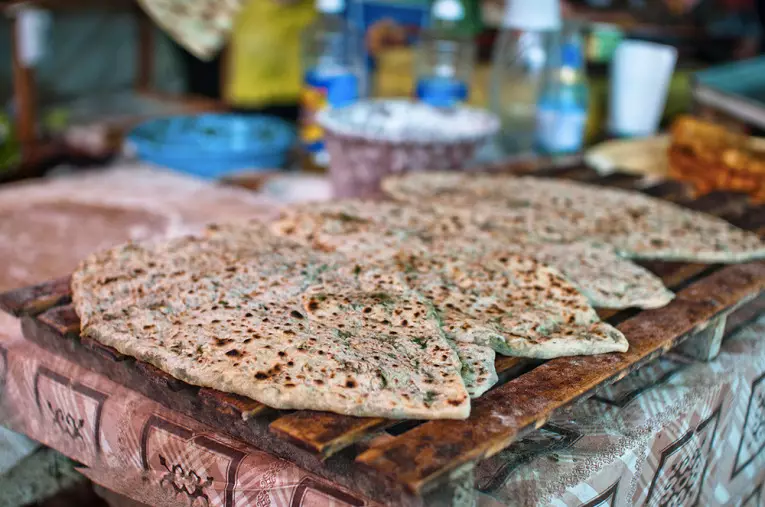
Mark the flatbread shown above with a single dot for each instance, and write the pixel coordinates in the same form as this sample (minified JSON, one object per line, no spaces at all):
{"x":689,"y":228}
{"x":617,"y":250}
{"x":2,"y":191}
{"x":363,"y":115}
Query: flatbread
{"x":512,"y":304}
{"x":641,"y":156}
{"x":290,"y":327}
{"x":635,"y":225}
{"x":478,"y":370}
{"x":603,"y":277}
{"x":379,"y":230}
{"x":527,"y":318}
{"x":366,"y":228}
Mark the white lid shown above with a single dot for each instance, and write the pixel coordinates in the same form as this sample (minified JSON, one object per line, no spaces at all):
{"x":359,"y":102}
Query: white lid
{"x":448,"y":10}
{"x":404,"y":121}
{"x":646,"y":51}
{"x":330,"y":6}
{"x":532,"y":14}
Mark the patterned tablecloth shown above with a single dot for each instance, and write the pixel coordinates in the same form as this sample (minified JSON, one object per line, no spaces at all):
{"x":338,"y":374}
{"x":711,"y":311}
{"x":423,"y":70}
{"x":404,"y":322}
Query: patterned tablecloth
{"x":132,"y":445}
{"x":673,"y":433}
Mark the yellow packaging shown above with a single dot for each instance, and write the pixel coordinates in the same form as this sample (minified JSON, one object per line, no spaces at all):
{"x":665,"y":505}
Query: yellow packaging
{"x":264,"y":53}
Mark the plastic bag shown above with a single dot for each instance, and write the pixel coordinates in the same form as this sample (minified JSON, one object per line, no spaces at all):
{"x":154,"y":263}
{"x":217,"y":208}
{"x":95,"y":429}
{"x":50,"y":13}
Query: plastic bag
{"x":264,"y":53}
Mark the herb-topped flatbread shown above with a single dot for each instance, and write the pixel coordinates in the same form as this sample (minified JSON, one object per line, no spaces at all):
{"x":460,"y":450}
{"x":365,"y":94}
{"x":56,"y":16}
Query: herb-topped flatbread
{"x":635,"y":225}
{"x":523,"y":299}
{"x":246,"y":318}
{"x":603,"y":277}
{"x":512,"y":304}
{"x":380,"y":230}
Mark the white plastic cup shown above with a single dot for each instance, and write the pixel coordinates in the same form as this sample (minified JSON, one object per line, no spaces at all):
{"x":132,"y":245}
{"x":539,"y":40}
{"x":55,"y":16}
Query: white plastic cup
{"x":640,"y":76}
{"x":534,"y":15}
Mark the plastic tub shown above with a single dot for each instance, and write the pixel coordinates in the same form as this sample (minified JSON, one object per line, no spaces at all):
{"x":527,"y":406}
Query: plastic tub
{"x":213,"y":145}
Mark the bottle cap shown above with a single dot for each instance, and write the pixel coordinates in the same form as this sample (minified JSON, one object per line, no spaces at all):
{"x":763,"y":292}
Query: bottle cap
{"x":448,"y":10}
{"x":330,"y":6}
{"x":532,"y":14}
{"x":571,"y":55}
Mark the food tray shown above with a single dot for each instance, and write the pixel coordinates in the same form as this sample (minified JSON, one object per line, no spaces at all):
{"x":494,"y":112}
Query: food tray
{"x":412,"y":462}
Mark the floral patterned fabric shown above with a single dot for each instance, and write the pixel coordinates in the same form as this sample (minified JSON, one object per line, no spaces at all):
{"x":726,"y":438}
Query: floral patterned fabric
{"x":676,"y":432}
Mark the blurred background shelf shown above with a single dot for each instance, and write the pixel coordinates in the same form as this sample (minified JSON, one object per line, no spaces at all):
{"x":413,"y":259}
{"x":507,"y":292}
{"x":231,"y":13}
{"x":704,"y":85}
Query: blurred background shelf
{"x":40,"y":149}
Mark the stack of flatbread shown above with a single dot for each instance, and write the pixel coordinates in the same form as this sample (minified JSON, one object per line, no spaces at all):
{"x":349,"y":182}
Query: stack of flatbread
{"x":394,"y":309}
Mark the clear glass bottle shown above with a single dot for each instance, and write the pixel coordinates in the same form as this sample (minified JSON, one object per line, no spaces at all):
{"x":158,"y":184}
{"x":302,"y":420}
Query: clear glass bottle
{"x":563,"y":104}
{"x":445,"y":56}
{"x":333,"y":73}
{"x":521,"y":56}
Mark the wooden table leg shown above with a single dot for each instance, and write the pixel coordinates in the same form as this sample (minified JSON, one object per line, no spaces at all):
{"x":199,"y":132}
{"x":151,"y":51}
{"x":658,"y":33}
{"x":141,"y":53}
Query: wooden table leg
{"x":145,"y":63}
{"x":24,"y":94}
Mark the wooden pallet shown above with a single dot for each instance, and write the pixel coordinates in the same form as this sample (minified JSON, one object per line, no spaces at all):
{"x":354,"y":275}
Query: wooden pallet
{"x":401,"y":463}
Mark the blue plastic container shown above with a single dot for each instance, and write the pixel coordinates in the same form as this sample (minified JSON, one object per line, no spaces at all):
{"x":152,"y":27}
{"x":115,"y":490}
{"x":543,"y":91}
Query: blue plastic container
{"x":213,"y":145}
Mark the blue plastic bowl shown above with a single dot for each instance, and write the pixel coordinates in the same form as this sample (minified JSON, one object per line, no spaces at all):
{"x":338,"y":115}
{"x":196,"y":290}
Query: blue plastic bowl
{"x":213,"y":145}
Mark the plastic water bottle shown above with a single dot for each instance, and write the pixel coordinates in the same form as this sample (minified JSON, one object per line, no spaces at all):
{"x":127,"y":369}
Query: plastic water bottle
{"x":521,"y":56}
{"x":562,"y":108}
{"x":445,"y":57}
{"x":333,"y":72}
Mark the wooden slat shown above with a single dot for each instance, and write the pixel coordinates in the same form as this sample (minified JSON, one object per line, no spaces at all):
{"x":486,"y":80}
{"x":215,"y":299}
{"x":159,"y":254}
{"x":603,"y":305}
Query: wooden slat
{"x":721,"y":203}
{"x":109,"y":354}
{"x":577,"y":173}
{"x":742,"y":316}
{"x":586,"y":174}
{"x":606,"y":313}
{"x":37,"y":298}
{"x":532,"y":165}
{"x":752,"y":220}
{"x":511,"y":367}
{"x":673,"y":274}
{"x":326,"y":433}
{"x":623,"y":181}
{"x":63,"y":319}
{"x":670,"y":190}
{"x":421,"y":457}
{"x":235,"y":405}
{"x":505,"y":363}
